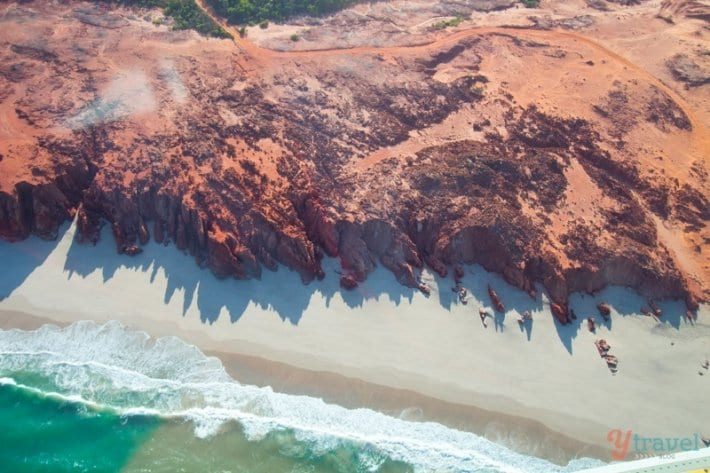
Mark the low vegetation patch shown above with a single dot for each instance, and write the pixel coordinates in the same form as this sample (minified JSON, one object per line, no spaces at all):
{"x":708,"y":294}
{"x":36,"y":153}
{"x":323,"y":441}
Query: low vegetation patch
{"x":186,"y":15}
{"x":256,"y":11}
{"x":531,"y":3}
{"x":452,"y":22}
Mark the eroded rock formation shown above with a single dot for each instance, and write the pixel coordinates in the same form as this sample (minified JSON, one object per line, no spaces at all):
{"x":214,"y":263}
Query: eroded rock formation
{"x":436,"y":156}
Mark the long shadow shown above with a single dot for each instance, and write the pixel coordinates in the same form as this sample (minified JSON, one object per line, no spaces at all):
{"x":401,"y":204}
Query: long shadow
{"x":584,"y":306}
{"x":568,"y":333}
{"x":476,"y":281}
{"x":526,"y":327}
{"x":274,"y":292}
{"x":20,"y":259}
{"x":499,"y":321}
{"x":624,"y":302}
{"x":214,"y":297}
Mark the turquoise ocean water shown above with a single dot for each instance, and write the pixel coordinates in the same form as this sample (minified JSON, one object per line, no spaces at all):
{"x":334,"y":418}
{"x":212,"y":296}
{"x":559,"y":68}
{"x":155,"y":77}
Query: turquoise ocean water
{"x":105,"y":398}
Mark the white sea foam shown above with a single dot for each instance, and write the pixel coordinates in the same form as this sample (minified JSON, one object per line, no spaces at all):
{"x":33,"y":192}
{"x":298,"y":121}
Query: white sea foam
{"x":111,"y":366}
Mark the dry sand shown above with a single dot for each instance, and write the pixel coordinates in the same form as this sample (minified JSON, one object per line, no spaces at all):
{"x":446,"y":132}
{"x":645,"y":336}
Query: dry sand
{"x":389,"y":348}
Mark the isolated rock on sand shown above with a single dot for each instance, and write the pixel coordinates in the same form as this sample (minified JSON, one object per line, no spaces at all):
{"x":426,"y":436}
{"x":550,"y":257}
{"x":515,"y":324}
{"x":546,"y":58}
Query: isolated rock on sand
{"x":348,"y":282}
{"x":560,"y":312}
{"x":495,"y":300}
{"x":604,"y":309}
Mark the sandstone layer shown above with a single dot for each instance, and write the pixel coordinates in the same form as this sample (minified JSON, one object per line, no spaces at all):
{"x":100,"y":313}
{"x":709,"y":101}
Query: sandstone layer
{"x":539,"y":154}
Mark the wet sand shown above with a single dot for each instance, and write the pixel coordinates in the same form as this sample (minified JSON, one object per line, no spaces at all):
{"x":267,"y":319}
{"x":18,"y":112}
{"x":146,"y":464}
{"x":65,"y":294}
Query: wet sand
{"x":540,"y":389}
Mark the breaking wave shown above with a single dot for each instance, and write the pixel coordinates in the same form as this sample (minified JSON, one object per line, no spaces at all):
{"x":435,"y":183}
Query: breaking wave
{"x":112,"y":367}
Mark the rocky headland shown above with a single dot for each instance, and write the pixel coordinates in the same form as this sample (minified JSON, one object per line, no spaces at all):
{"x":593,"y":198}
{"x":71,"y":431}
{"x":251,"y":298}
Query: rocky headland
{"x":539,"y":154}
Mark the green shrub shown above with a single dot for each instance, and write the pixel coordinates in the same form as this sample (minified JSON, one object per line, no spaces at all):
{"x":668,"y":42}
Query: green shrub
{"x":188,"y":15}
{"x":443,"y":24}
{"x":185,"y":14}
{"x":248,"y":11}
{"x":294,"y":37}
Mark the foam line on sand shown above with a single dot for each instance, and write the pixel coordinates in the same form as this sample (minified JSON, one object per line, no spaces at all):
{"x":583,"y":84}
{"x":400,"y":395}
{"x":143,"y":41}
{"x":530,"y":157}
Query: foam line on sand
{"x":391,"y":336}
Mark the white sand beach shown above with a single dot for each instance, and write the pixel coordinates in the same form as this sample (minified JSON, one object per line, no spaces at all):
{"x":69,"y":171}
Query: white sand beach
{"x":388,"y":335}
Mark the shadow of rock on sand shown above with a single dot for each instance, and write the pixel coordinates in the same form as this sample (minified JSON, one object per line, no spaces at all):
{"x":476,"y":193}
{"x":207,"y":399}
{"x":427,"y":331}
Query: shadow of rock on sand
{"x":624,"y":302}
{"x":199,"y":289}
{"x":476,"y":281}
{"x":212,"y":295}
{"x":20,"y":261}
{"x":526,"y":327}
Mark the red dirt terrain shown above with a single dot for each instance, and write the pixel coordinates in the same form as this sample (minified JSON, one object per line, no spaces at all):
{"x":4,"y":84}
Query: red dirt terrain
{"x":533,"y":149}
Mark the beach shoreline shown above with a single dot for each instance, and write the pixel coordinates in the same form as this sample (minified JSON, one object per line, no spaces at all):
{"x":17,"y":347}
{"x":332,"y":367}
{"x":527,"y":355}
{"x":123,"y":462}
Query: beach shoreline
{"x":352,"y":393}
{"x":544,"y":392}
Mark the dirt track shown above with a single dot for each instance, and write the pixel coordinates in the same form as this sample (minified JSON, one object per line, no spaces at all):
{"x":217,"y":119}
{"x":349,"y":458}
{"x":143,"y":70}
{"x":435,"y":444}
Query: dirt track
{"x":700,"y":137}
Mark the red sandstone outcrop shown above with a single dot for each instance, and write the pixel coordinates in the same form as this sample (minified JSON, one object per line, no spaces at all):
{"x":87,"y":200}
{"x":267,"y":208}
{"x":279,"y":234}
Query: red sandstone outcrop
{"x":604,"y":309}
{"x":495,"y":300}
{"x":254,"y":161}
{"x":348,"y":282}
{"x":561,"y":313}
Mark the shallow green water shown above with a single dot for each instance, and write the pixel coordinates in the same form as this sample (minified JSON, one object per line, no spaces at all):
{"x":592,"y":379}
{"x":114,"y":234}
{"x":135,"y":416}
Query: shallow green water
{"x":50,"y":434}
{"x":106,"y":398}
